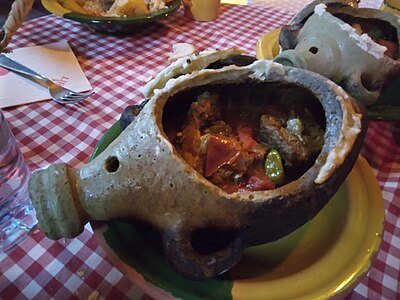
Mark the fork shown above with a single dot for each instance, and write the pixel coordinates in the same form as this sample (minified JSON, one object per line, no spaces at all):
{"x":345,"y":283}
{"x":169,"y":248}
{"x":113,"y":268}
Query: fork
{"x":58,"y":93}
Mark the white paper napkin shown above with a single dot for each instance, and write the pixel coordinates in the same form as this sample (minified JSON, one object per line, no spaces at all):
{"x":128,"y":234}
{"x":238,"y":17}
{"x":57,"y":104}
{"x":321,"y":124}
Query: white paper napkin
{"x":56,"y":61}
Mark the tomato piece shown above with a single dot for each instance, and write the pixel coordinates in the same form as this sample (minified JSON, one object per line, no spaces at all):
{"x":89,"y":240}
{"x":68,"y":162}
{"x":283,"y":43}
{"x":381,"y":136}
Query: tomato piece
{"x":391,"y":48}
{"x":249,"y":144}
{"x":245,"y":135}
{"x":221,"y":150}
{"x":258,"y":183}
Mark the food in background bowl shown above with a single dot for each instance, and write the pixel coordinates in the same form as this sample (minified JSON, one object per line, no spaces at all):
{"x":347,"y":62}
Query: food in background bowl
{"x":115,"y":8}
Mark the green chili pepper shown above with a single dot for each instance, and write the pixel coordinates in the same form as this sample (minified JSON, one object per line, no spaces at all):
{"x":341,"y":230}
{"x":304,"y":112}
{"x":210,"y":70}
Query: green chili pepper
{"x":273,"y":167}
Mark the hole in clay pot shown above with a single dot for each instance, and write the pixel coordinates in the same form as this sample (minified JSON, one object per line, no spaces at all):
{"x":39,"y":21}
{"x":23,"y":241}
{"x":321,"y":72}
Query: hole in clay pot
{"x":313,"y":50}
{"x":369,"y":84}
{"x":112,"y":164}
{"x":210,"y":240}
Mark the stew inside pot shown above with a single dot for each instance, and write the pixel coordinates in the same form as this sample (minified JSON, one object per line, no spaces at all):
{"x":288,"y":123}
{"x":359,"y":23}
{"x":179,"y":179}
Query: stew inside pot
{"x":245,"y":139}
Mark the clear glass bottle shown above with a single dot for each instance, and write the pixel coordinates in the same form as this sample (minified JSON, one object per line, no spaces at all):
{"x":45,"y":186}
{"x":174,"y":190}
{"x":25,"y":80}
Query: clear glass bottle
{"x":17,"y":216}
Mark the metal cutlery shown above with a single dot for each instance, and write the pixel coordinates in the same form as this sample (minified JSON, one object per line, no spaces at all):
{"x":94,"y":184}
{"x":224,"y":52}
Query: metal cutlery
{"x":58,"y":93}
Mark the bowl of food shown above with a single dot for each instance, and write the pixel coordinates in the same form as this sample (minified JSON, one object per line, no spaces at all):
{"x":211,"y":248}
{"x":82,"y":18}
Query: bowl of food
{"x":221,"y":157}
{"x":113,"y":17}
{"x":328,"y":36}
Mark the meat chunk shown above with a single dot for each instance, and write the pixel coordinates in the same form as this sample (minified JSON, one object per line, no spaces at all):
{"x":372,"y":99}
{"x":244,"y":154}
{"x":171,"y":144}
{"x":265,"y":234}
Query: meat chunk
{"x":294,"y":133}
{"x":230,"y":157}
{"x":274,"y":133}
{"x":201,"y":112}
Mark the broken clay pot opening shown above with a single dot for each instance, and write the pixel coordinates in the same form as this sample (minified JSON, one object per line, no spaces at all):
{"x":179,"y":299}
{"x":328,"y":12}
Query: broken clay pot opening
{"x":380,"y":31}
{"x":263,"y":109}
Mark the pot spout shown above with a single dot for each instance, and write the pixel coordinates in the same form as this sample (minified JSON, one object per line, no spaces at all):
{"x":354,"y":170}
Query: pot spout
{"x":291,"y":58}
{"x":107,"y":188}
{"x":58,"y":206}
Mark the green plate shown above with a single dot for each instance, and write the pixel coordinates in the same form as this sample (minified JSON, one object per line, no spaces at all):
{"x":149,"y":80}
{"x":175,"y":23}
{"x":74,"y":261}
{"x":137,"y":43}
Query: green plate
{"x":386,"y":107}
{"x":110,"y":25}
{"x":326,"y":257}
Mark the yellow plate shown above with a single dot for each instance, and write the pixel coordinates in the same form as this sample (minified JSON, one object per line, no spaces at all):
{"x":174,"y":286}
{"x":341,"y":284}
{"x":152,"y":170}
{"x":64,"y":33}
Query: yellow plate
{"x":324,"y":258}
{"x":393,"y":8}
{"x":268,"y":45}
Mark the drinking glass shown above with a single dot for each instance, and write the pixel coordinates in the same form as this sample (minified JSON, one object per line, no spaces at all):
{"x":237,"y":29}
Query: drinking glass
{"x":201,"y":10}
{"x":17,"y":216}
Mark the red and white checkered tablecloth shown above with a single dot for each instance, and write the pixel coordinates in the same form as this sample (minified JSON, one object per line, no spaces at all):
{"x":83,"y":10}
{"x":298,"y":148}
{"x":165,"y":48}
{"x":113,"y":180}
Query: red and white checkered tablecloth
{"x":47,"y":132}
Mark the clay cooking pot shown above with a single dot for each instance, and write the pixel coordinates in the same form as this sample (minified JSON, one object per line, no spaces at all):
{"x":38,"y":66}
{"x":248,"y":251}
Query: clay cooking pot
{"x":141,"y":176}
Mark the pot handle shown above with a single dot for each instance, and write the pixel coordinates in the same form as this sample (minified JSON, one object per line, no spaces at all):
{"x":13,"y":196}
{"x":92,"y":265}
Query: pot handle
{"x":190,"y":263}
{"x":361,"y":90}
